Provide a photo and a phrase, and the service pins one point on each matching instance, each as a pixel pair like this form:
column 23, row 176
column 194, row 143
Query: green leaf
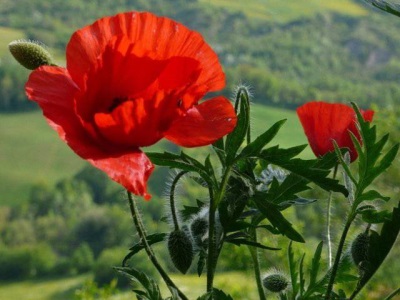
column 388, row 7
column 372, row 195
column 216, row 295
column 315, row 264
column 293, row 270
column 242, row 241
column 235, row 139
column 202, row 261
column 314, row 170
column 380, row 246
column 272, row 213
column 188, row 211
column 182, row 161
column 151, row 239
column 372, row 216
column 151, row 289
column 259, row 143
column 301, row 276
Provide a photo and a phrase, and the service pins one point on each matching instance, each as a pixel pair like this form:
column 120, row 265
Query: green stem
column 211, row 247
column 172, row 199
column 338, row 255
column 328, row 221
column 212, row 243
column 150, row 253
column 256, row 262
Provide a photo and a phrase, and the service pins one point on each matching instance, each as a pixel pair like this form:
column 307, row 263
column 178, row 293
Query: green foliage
column 82, row 258
column 104, row 267
column 26, row 261
column 91, row 291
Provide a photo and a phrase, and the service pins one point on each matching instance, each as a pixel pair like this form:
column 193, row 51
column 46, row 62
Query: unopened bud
column 199, row 227
column 30, row 54
column 359, row 248
column 180, row 249
column 275, row 283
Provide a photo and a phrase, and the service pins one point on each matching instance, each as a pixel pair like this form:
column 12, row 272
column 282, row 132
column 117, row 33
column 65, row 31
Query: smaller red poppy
column 324, row 122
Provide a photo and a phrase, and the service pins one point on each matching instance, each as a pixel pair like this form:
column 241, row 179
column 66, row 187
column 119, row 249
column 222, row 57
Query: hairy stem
column 172, row 199
column 335, row 267
column 256, row 262
column 328, row 221
column 212, row 243
column 150, row 253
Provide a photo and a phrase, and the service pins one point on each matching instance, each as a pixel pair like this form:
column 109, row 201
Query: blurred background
column 63, row 224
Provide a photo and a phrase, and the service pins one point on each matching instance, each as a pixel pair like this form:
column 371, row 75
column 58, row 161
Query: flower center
column 118, row 101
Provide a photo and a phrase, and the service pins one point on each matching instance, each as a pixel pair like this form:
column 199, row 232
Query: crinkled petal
column 162, row 36
column 203, row 124
column 324, row 122
column 53, row 89
column 131, row 170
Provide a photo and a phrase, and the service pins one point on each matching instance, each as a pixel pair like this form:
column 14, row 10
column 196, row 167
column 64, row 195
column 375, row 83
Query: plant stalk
column 256, row 262
column 150, row 253
column 338, row 255
column 212, row 243
column 328, row 221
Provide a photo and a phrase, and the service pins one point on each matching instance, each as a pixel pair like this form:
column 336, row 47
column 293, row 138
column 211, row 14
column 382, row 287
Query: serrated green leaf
column 261, row 141
column 243, row 241
column 380, row 246
column 375, row 217
column 272, row 213
column 151, row 239
column 293, row 270
column 201, row 262
column 315, row 264
column 216, row 295
column 182, row 161
column 386, row 6
column 302, row 280
column 151, row 289
column 372, row 195
column 188, row 211
column 235, row 139
column 287, row 190
column 314, row 170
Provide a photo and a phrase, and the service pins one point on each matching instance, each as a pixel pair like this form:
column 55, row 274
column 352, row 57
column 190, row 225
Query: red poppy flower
column 131, row 80
column 324, row 122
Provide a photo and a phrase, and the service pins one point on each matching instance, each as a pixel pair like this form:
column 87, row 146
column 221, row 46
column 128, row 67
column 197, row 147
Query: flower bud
column 199, row 227
column 276, row 282
column 180, row 249
column 30, row 54
column 359, row 248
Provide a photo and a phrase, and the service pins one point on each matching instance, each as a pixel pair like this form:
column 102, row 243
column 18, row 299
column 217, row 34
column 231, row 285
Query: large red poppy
column 324, row 122
column 131, row 80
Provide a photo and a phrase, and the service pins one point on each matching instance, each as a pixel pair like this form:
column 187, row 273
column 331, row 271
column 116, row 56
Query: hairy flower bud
column 276, row 282
column 30, row 54
column 199, row 227
column 359, row 248
column 180, row 249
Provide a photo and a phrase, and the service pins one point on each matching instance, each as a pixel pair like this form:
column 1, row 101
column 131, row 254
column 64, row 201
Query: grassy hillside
column 285, row 11
column 31, row 152
column 6, row 36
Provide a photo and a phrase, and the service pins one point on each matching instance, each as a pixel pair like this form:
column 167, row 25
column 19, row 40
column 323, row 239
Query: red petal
column 203, row 124
column 130, row 170
column 53, row 89
column 324, row 122
column 162, row 36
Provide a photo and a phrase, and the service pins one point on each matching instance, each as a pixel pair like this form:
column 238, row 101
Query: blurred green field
column 237, row 283
column 31, row 152
column 6, row 36
column 286, row 11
